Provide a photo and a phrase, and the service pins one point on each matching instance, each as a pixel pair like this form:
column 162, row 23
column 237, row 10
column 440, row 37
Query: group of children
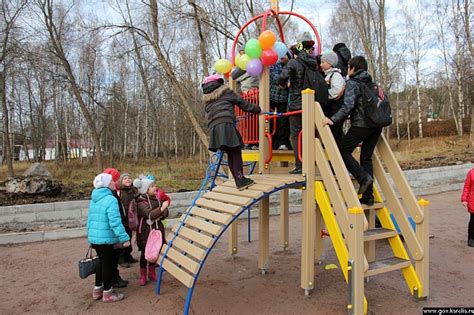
column 116, row 202
column 340, row 100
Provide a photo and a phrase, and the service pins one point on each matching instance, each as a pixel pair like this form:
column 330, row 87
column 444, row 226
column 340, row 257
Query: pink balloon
column 254, row 67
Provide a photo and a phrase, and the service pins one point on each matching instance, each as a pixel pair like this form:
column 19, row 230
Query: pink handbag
column 153, row 244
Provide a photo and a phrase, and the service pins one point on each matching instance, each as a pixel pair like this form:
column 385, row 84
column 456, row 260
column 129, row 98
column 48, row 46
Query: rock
column 37, row 169
column 33, row 185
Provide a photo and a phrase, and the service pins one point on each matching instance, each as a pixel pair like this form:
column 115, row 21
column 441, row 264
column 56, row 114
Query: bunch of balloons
column 264, row 51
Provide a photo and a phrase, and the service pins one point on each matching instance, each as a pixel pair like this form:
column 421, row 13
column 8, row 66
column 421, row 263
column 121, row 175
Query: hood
column 307, row 59
column 362, row 75
column 331, row 71
column 343, row 52
column 214, row 92
column 100, row 193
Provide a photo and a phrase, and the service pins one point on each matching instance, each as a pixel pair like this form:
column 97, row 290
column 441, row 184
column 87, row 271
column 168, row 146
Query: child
column 359, row 131
column 127, row 194
column 219, row 101
column 336, row 85
column 467, row 200
column 152, row 204
column 104, row 229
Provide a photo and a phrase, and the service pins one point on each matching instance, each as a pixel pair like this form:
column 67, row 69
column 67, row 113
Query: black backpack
column 314, row 80
column 377, row 110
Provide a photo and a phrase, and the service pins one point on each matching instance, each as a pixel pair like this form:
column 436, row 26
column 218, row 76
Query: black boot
column 470, row 243
column 118, row 282
column 130, row 259
column 297, row 170
column 243, row 183
column 123, row 262
column 365, row 183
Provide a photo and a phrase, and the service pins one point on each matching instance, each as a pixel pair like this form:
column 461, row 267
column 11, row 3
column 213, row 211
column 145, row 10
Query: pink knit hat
column 212, row 78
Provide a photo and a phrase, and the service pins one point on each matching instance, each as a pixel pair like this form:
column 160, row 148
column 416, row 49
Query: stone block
column 64, row 234
column 58, row 215
column 15, row 238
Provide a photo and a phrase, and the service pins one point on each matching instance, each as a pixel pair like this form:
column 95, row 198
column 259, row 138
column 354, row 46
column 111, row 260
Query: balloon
column 280, row 49
column 254, row 67
column 228, row 56
column 243, row 61
column 253, row 48
column 267, row 39
column 269, row 57
column 222, row 66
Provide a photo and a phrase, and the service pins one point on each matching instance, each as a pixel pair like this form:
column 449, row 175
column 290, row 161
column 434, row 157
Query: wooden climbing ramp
column 204, row 222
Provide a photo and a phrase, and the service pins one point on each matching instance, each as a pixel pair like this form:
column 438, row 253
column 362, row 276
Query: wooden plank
column 266, row 181
column 308, row 196
column 259, row 187
column 218, row 206
column 249, row 192
column 284, row 219
column 236, row 200
column 422, row 266
column 211, row 215
column 386, row 265
column 187, row 247
column 199, row 224
column 376, row 206
column 378, row 234
column 186, row 262
column 195, row 236
column 399, row 179
column 395, row 206
column 288, row 178
column 178, row 273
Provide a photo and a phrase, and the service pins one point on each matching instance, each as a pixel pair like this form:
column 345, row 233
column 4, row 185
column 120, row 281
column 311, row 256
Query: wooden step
column 378, row 234
column 218, row 206
column 184, row 277
column 222, row 218
column 195, row 236
column 187, row 247
column 249, row 192
column 202, row 225
column 186, row 262
column 258, row 187
column 236, row 200
column 276, row 183
column 288, row 178
column 376, row 206
column 386, row 265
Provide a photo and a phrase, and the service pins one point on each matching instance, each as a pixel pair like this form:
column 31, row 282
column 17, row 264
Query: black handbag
column 88, row 265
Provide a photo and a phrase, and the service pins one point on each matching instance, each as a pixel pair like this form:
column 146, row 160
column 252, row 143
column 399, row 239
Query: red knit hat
column 114, row 172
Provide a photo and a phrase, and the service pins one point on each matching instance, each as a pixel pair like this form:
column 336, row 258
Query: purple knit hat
column 212, row 78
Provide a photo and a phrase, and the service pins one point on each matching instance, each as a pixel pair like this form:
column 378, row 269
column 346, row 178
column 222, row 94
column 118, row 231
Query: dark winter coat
column 353, row 105
column 294, row 72
column 343, row 55
column 150, row 206
column 468, row 191
column 219, row 104
column 123, row 216
column 127, row 195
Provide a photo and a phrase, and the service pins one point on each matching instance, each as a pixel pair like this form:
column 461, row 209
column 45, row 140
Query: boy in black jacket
column 359, row 131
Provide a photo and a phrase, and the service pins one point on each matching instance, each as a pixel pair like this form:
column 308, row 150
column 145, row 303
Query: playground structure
column 329, row 197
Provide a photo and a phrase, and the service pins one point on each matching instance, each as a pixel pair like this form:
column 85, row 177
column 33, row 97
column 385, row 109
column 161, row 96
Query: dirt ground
column 41, row 278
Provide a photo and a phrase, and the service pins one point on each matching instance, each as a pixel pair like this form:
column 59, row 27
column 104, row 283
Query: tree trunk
column 6, row 125
column 171, row 75
column 202, row 41
column 418, row 100
column 55, row 38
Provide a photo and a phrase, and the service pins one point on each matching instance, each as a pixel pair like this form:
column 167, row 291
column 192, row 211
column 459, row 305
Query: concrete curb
column 39, row 236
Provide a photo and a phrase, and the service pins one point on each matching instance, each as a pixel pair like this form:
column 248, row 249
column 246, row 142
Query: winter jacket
column 343, row 55
column 219, row 104
column 278, row 93
column 336, row 85
column 294, row 72
column 353, row 105
column 127, row 196
column 150, row 207
column 244, row 81
column 468, row 191
column 104, row 224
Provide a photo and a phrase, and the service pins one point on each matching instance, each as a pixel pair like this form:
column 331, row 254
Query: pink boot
column 111, row 296
column 142, row 280
column 152, row 273
column 97, row 293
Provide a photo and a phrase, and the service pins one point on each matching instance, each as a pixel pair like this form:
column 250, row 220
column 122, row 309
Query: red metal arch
column 280, row 28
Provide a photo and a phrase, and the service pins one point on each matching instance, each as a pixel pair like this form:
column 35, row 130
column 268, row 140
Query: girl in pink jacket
column 467, row 200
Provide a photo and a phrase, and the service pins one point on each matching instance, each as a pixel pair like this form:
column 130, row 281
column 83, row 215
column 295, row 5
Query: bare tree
column 10, row 11
column 56, row 39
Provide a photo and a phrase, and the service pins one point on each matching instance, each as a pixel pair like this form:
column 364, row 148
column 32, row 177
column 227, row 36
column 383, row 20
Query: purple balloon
column 254, row 67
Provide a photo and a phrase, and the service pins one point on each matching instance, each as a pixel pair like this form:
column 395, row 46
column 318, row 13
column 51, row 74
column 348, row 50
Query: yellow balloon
column 243, row 60
column 237, row 60
column 222, row 66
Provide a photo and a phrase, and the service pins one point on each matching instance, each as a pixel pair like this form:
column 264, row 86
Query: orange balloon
column 267, row 39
